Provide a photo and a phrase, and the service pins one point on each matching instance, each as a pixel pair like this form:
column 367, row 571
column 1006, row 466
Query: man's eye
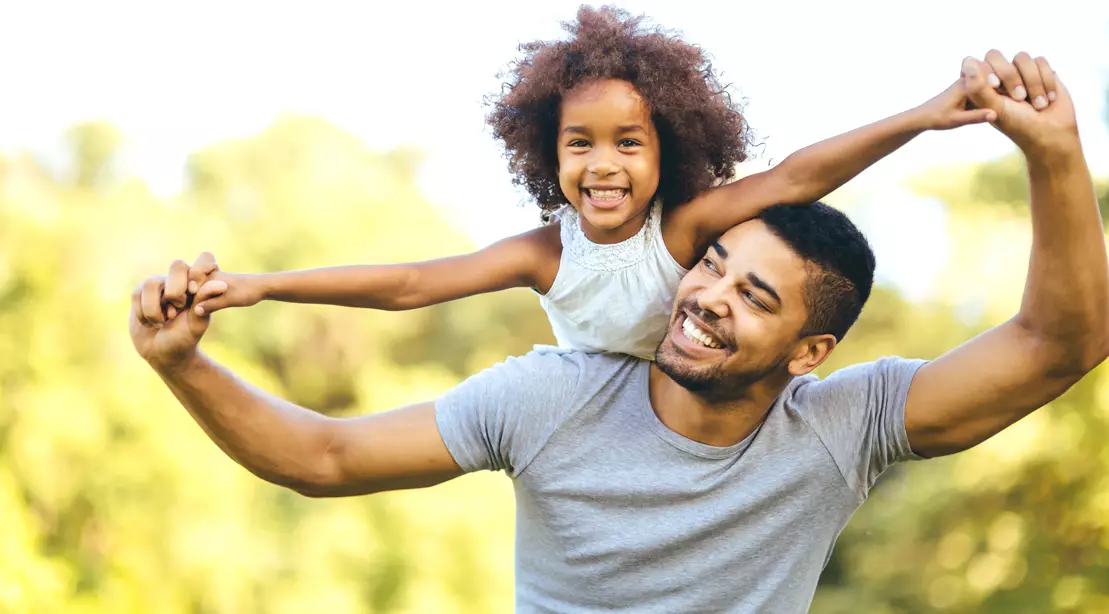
column 754, row 300
column 709, row 265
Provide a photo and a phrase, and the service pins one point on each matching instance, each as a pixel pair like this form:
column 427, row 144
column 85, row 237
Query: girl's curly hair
column 702, row 133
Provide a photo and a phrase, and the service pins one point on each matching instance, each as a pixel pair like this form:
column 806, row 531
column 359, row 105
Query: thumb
column 205, row 297
column 978, row 90
column 204, row 266
column 212, row 305
column 972, row 116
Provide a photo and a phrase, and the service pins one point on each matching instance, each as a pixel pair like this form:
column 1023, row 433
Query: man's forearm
column 276, row 440
column 1066, row 297
column 822, row 167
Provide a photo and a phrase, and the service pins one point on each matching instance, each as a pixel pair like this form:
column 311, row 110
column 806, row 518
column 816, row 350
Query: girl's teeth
column 606, row 194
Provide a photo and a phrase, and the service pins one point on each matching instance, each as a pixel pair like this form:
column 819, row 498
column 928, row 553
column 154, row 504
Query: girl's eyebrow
column 620, row 130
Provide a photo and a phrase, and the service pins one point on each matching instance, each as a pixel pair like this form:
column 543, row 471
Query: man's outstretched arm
column 1062, row 329
column 274, row 439
column 315, row 455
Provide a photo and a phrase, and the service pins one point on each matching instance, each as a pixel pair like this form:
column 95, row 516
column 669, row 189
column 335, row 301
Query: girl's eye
column 578, row 143
column 629, row 143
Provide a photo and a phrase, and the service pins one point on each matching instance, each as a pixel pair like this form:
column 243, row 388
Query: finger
column 1047, row 73
column 980, row 93
column 151, row 301
column 212, row 305
column 1030, row 75
column 136, row 305
column 176, row 282
column 171, row 312
column 204, row 266
column 1010, row 77
column 973, row 116
column 205, row 295
column 992, row 79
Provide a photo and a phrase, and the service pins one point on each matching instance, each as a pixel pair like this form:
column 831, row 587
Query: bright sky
column 405, row 73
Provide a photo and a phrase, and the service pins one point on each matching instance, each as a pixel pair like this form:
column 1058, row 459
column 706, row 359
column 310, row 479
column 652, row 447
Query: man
column 717, row 478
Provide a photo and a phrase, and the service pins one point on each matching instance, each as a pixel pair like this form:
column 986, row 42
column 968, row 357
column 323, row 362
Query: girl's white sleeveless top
column 612, row 297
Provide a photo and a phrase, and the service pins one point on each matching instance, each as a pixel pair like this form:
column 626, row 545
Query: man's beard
column 713, row 382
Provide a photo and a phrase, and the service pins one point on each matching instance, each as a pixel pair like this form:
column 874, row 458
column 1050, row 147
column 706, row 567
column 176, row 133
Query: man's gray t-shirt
column 615, row 512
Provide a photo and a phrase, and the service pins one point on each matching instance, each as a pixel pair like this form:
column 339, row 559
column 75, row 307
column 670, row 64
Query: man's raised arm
column 272, row 438
column 1062, row 329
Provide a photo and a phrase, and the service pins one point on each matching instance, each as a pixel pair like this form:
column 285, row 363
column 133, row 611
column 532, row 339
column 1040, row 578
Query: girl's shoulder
column 547, row 243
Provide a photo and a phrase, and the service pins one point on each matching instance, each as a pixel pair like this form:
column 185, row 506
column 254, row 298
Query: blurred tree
column 93, row 149
column 112, row 500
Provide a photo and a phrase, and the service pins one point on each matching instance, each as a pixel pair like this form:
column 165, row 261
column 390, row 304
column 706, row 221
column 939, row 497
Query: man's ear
column 810, row 353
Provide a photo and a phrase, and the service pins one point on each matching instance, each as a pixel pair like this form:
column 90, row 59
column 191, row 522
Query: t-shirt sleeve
column 859, row 414
column 502, row 417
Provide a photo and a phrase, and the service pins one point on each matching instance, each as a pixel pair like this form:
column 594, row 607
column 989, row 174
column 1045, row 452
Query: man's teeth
column 690, row 330
column 607, row 194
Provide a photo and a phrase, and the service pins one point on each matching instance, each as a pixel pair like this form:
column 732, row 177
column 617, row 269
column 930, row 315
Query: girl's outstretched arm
column 810, row 174
column 527, row 260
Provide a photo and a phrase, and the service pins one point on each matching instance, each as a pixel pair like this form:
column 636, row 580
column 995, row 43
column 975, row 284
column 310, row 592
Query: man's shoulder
column 850, row 384
column 555, row 366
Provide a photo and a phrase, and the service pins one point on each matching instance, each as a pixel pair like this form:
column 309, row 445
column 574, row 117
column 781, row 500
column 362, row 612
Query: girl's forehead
column 598, row 100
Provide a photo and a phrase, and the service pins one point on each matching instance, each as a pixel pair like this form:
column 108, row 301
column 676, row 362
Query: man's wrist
column 179, row 365
column 1055, row 154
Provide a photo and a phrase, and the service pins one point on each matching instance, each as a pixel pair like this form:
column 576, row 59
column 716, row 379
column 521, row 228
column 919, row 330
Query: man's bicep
column 496, row 420
column 393, row 450
column 978, row 389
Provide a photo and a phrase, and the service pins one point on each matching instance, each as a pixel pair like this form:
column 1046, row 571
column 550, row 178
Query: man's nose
column 714, row 298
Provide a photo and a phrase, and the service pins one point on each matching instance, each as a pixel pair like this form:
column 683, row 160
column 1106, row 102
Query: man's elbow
column 328, row 479
column 1096, row 353
column 1068, row 356
column 1077, row 360
column 322, row 481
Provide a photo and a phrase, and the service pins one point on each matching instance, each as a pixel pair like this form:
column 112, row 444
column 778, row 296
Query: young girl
column 620, row 134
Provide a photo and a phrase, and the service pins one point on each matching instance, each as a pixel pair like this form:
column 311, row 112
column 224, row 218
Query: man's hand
column 1037, row 113
column 164, row 331
column 949, row 110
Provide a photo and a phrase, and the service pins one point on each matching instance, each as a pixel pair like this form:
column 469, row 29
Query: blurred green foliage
column 113, row 501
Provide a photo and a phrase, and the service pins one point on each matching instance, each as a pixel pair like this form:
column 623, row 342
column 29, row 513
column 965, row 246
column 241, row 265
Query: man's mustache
column 710, row 320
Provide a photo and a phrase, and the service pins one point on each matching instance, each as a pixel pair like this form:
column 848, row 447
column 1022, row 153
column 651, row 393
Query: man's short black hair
column 839, row 260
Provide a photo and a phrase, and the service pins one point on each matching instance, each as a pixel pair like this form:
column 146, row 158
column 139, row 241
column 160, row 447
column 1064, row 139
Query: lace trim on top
column 609, row 256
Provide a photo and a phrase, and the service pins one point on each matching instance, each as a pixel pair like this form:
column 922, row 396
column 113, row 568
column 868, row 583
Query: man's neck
column 714, row 423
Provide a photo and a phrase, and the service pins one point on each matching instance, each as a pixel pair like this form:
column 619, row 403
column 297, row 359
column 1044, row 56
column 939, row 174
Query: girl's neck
column 617, row 234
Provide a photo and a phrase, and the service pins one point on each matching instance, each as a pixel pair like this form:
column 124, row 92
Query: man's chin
column 673, row 362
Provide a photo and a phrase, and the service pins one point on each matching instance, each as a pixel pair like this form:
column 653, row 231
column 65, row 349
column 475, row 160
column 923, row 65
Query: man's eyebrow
column 765, row 287
column 753, row 279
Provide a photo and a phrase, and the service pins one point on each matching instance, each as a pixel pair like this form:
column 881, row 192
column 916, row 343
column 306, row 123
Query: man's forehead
column 755, row 248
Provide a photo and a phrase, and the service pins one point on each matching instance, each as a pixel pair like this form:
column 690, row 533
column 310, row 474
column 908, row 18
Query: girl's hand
column 210, row 289
column 950, row 109
column 240, row 290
